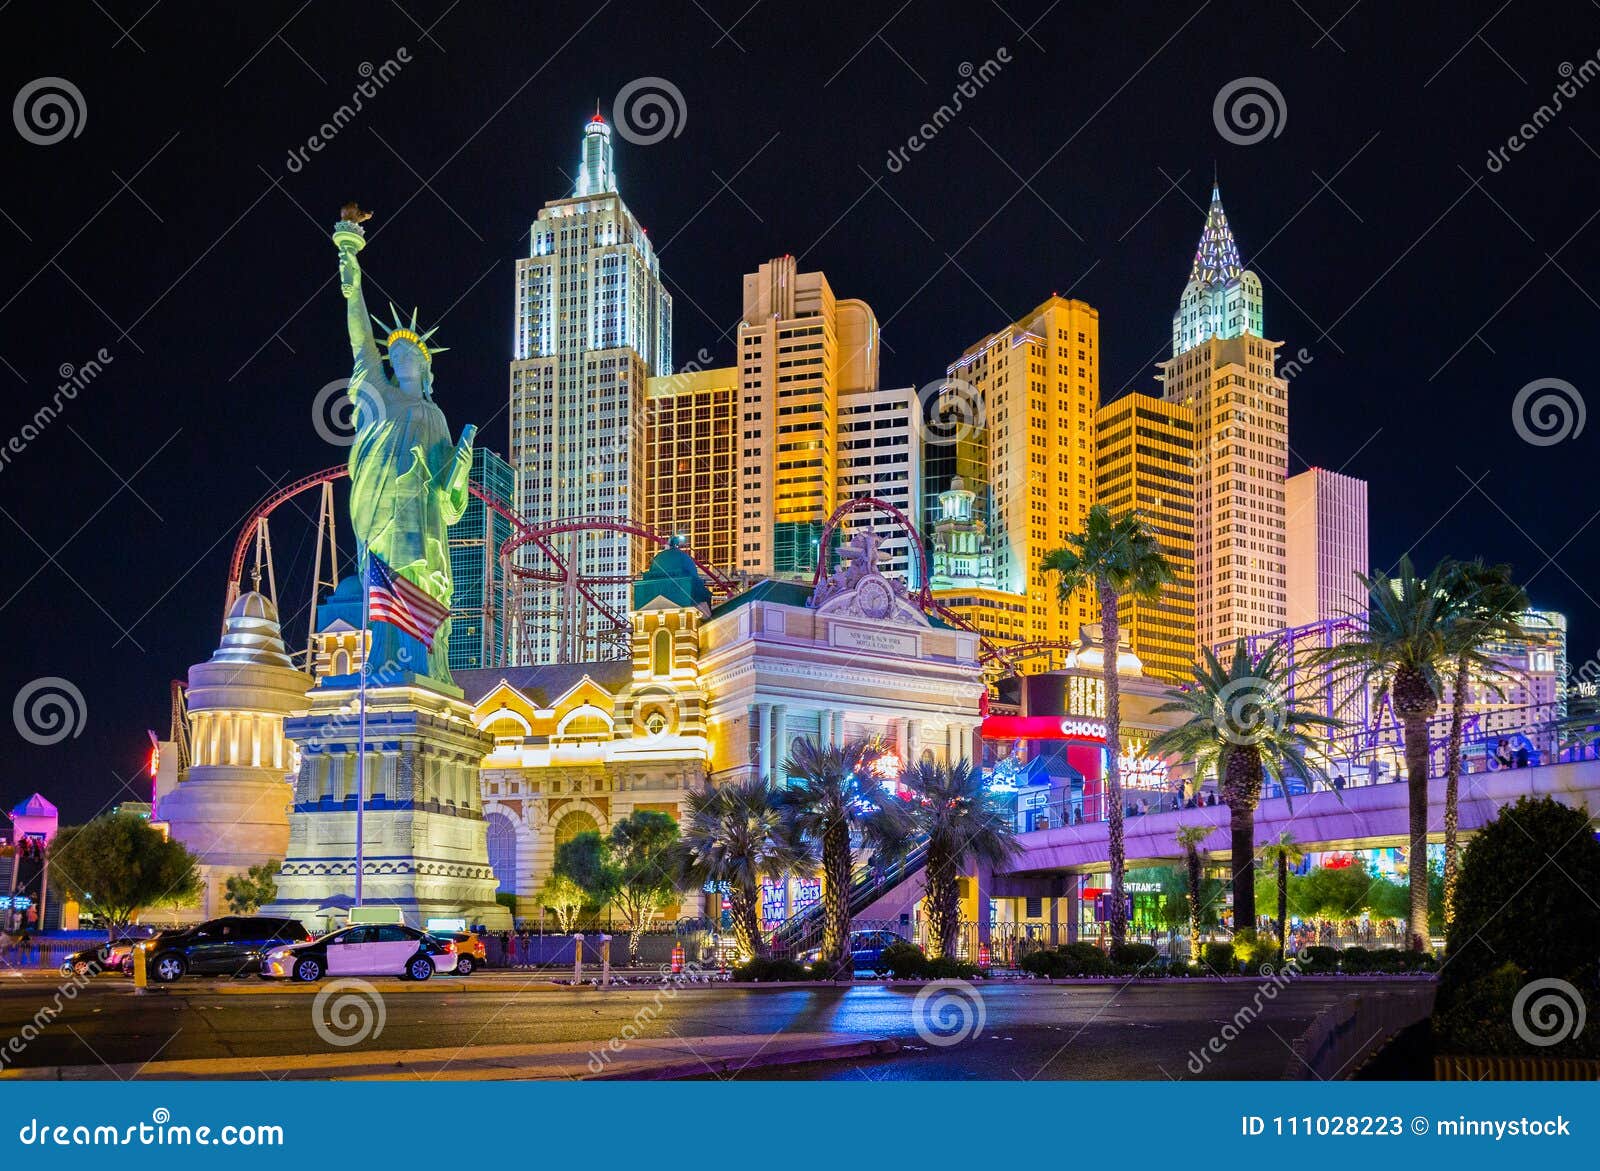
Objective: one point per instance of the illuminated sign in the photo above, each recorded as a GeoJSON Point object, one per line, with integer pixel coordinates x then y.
{"type": "Point", "coordinates": [1042, 728]}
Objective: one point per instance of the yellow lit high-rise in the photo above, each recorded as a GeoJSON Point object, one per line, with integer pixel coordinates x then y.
{"type": "Point", "coordinates": [800, 350]}
{"type": "Point", "coordinates": [691, 458]}
{"type": "Point", "coordinates": [1145, 453]}
{"type": "Point", "coordinates": [1038, 383]}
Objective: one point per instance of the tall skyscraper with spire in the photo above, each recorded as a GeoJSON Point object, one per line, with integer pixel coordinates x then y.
{"type": "Point", "coordinates": [593, 325]}
{"type": "Point", "coordinates": [1226, 372]}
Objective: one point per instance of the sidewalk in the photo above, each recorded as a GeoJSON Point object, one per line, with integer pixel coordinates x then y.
{"type": "Point", "coordinates": [646, 1060]}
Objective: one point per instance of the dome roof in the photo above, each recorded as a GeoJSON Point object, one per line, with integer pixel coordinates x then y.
{"type": "Point", "coordinates": [672, 575]}
{"type": "Point", "coordinates": [251, 634]}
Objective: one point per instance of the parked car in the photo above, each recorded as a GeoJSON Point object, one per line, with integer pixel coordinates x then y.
{"type": "Point", "coordinates": [471, 953]}
{"type": "Point", "coordinates": [115, 958]}
{"type": "Point", "coordinates": [365, 949]}
{"type": "Point", "coordinates": [230, 946]}
{"type": "Point", "coordinates": [865, 947]}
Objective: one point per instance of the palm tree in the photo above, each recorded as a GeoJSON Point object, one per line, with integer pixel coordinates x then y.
{"type": "Point", "coordinates": [1280, 855]}
{"type": "Point", "coordinates": [964, 826]}
{"type": "Point", "coordinates": [1487, 607]}
{"type": "Point", "coordinates": [832, 796]}
{"type": "Point", "coordinates": [1116, 558]}
{"type": "Point", "coordinates": [1242, 726]}
{"type": "Point", "coordinates": [1189, 838]}
{"type": "Point", "coordinates": [734, 836]}
{"type": "Point", "coordinates": [1403, 645]}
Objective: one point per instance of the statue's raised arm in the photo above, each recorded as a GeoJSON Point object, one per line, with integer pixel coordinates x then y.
{"type": "Point", "coordinates": [350, 238]}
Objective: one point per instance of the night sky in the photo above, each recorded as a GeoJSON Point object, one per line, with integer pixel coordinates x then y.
{"type": "Point", "coordinates": [1426, 286]}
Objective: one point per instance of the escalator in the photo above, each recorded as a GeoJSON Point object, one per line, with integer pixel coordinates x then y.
{"type": "Point", "coordinates": [868, 883]}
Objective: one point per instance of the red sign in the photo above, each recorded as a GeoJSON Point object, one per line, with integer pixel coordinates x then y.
{"type": "Point", "coordinates": [1043, 728]}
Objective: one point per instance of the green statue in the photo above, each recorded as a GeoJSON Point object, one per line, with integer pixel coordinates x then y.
{"type": "Point", "coordinates": [408, 482]}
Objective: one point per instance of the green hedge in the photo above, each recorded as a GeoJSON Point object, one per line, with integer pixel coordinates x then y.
{"type": "Point", "coordinates": [907, 961]}
{"type": "Point", "coordinates": [770, 971]}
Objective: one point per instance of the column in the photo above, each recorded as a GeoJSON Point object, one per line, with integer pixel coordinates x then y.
{"type": "Point", "coordinates": [985, 883]}
{"type": "Point", "coordinates": [913, 741]}
{"type": "Point", "coordinates": [776, 752]}
{"type": "Point", "coordinates": [838, 727]}
{"type": "Point", "coordinates": [1055, 918]}
{"type": "Point", "coordinates": [763, 738]}
{"type": "Point", "coordinates": [1074, 883]}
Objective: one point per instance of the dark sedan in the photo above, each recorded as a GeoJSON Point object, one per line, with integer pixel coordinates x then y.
{"type": "Point", "coordinates": [230, 946]}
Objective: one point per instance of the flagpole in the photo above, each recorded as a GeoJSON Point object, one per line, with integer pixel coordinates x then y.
{"type": "Point", "coordinates": [361, 739]}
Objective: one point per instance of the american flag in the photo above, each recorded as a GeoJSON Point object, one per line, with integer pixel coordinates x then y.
{"type": "Point", "coordinates": [393, 599]}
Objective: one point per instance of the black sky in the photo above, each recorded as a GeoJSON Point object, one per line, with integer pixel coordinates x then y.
{"type": "Point", "coordinates": [1426, 289]}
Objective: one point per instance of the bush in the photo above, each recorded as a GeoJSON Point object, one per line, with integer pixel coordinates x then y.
{"type": "Point", "coordinates": [1041, 963]}
{"type": "Point", "coordinates": [1316, 959]}
{"type": "Point", "coordinates": [1515, 912]}
{"type": "Point", "coordinates": [1356, 960]}
{"type": "Point", "coordinates": [1219, 958]}
{"type": "Point", "coordinates": [771, 971]}
{"type": "Point", "coordinates": [1179, 968]}
{"type": "Point", "coordinates": [1255, 949]}
{"type": "Point", "coordinates": [903, 960]}
{"type": "Point", "coordinates": [1477, 1018]}
{"type": "Point", "coordinates": [950, 968]}
{"type": "Point", "coordinates": [1132, 957]}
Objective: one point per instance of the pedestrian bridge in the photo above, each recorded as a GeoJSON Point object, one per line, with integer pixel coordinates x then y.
{"type": "Point", "coordinates": [1366, 817]}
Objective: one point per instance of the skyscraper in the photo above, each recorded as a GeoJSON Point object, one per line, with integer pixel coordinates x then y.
{"type": "Point", "coordinates": [879, 455]}
{"type": "Point", "coordinates": [800, 349]}
{"type": "Point", "coordinates": [691, 425]}
{"type": "Point", "coordinates": [1037, 383]}
{"type": "Point", "coordinates": [1144, 463]}
{"type": "Point", "coordinates": [476, 616]}
{"type": "Point", "coordinates": [593, 324]}
{"type": "Point", "coordinates": [1326, 532]}
{"type": "Point", "coordinates": [1225, 371]}
{"type": "Point", "coordinates": [962, 568]}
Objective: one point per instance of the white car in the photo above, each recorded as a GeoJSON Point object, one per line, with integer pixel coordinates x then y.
{"type": "Point", "coordinates": [365, 949]}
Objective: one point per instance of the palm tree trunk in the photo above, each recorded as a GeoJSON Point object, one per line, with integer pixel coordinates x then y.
{"type": "Point", "coordinates": [1111, 638]}
{"type": "Point", "coordinates": [1194, 904]}
{"type": "Point", "coordinates": [1414, 728]}
{"type": "Point", "coordinates": [1283, 906]}
{"type": "Point", "coordinates": [1243, 785]}
{"type": "Point", "coordinates": [943, 904]}
{"type": "Point", "coordinates": [836, 899]}
{"type": "Point", "coordinates": [746, 921]}
{"type": "Point", "coordinates": [1452, 789]}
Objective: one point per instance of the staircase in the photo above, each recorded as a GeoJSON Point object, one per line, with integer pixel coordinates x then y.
{"type": "Point", "coordinates": [867, 885]}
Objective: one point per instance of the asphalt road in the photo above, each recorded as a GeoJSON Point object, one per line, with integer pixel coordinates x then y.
{"type": "Point", "coordinates": [1029, 1030]}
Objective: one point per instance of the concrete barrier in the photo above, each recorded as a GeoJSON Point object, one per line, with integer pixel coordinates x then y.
{"type": "Point", "coordinates": [1345, 1035]}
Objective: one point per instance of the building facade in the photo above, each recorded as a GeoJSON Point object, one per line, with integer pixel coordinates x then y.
{"type": "Point", "coordinates": [962, 566]}
{"type": "Point", "coordinates": [1035, 385]}
{"type": "Point", "coordinates": [691, 422]}
{"type": "Point", "coordinates": [1144, 464]}
{"type": "Point", "coordinates": [800, 350]}
{"type": "Point", "coordinates": [713, 694]}
{"type": "Point", "coordinates": [879, 454]}
{"type": "Point", "coordinates": [1326, 539]}
{"type": "Point", "coordinates": [1224, 370]}
{"type": "Point", "coordinates": [477, 620]}
{"type": "Point", "coordinates": [593, 325]}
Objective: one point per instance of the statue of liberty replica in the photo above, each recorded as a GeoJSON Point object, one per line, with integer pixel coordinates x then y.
{"type": "Point", "coordinates": [387, 822]}
{"type": "Point", "coordinates": [408, 484]}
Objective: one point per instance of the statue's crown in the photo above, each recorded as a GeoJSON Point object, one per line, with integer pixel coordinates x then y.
{"type": "Point", "coordinates": [399, 332]}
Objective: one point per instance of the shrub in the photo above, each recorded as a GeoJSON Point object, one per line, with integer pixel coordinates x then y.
{"type": "Point", "coordinates": [1355, 960]}
{"type": "Point", "coordinates": [950, 968]}
{"type": "Point", "coordinates": [1132, 957]}
{"type": "Point", "coordinates": [1041, 963]}
{"type": "Point", "coordinates": [1517, 920]}
{"type": "Point", "coordinates": [1219, 958]}
{"type": "Point", "coordinates": [1319, 959]}
{"type": "Point", "coordinates": [1082, 959]}
{"type": "Point", "coordinates": [771, 971]}
{"type": "Point", "coordinates": [903, 960]}
{"type": "Point", "coordinates": [1255, 949]}
{"type": "Point", "coordinates": [1179, 968]}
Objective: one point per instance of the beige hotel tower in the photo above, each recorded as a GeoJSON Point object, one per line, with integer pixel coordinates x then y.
{"type": "Point", "coordinates": [1224, 370]}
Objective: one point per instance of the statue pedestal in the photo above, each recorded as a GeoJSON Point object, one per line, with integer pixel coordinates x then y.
{"type": "Point", "coordinates": [426, 841]}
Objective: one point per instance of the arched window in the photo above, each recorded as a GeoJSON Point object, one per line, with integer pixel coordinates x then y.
{"type": "Point", "coordinates": [341, 663]}
{"type": "Point", "coordinates": [661, 654]}
{"type": "Point", "coordinates": [503, 851]}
